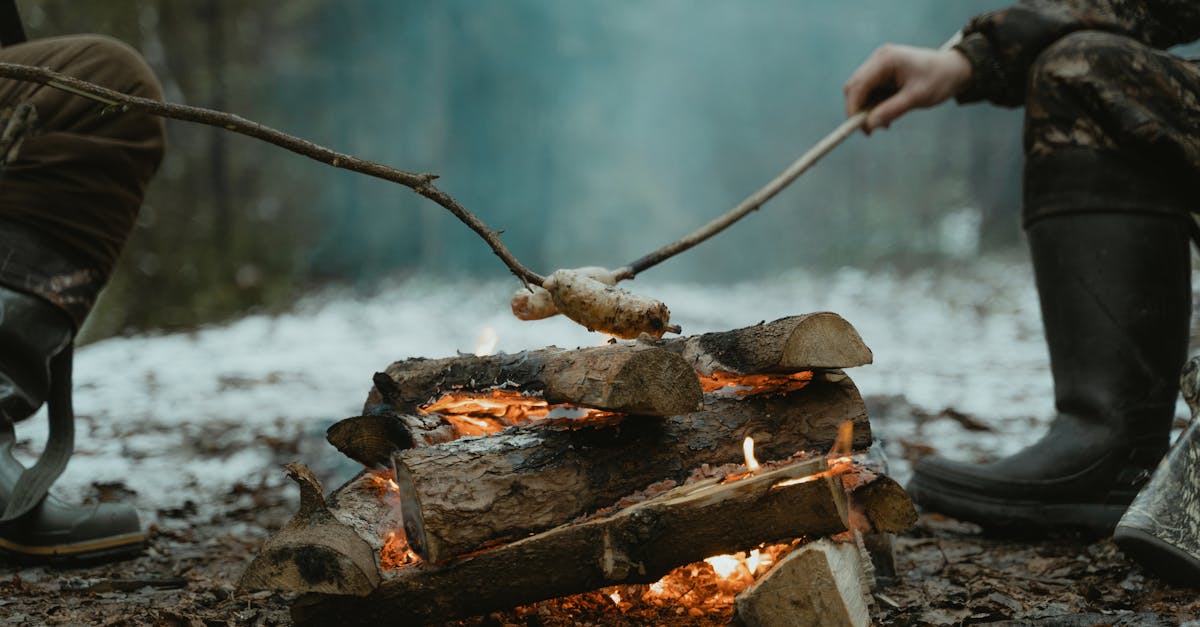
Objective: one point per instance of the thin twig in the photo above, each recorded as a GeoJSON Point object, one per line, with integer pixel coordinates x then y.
{"type": "Point", "coordinates": [752, 202]}
{"type": "Point", "coordinates": [420, 183]}
{"type": "Point", "coordinates": [758, 198]}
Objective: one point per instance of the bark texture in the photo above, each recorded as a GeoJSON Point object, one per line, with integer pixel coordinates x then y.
{"type": "Point", "coordinates": [626, 378]}
{"type": "Point", "coordinates": [806, 342]}
{"type": "Point", "coordinates": [463, 495]}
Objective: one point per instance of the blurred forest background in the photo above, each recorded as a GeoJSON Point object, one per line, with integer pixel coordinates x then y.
{"type": "Point", "coordinates": [590, 131]}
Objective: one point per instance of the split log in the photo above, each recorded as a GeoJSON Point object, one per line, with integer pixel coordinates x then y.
{"type": "Point", "coordinates": [805, 342]}
{"type": "Point", "coordinates": [822, 583]}
{"type": "Point", "coordinates": [626, 378]}
{"type": "Point", "coordinates": [460, 496]}
{"type": "Point", "coordinates": [330, 546]}
{"type": "Point", "coordinates": [638, 544]}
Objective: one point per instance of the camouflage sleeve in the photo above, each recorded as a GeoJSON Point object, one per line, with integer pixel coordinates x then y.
{"type": "Point", "coordinates": [1003, 44]}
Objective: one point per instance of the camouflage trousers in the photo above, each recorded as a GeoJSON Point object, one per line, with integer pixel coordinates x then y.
{"type": "Point", "coordinates": [1111, 125]}
{"type": "Point", "coordinates": [70, 199]}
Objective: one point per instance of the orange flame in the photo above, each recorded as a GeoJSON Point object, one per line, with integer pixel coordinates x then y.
{"type": "Point", "coordinates": [725, 383]}
{"type": "Point", "coordinates": [844, 442]}
{"type": "Point", "coordinates": [396, 553]}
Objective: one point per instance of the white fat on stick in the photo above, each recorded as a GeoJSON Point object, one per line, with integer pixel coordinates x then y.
{"type": "Point", "coordinates": [535, 303]}
{"type": "Point", "coordinates": [606, 308]}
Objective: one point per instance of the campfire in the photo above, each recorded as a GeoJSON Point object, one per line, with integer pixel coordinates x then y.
{"type": "Point", "coordinates": [692, 477]}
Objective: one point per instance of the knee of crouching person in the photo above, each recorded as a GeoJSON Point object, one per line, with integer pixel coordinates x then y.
{"type": "Point", "coordinates": [116, 65]}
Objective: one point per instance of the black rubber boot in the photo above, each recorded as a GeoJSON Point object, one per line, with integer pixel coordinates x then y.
{"type": "Point", "coordinates": [1116, 302]}
{"type": "Point", "coordinates": [31, 333]}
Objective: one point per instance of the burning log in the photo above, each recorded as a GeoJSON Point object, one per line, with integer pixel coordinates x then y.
{"type": "Point", "coordinates": [821, 583]}
{"type": "Point", "coordinates": [805, 342]}
{"type": "Point", "coordinates": [638, 544]}
{"type": "Point", "coordinates": [460, 496]}
{"type": "Point", "coordinates": [627, 378]}
{"type": "Point", "coordinates": [328, 546]}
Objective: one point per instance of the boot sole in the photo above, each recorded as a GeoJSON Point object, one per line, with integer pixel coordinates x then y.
{"type": "Point", "coordinates": [100, 550]}
{"type": "Point", "coordinates": [1019, 517]}
{"type": "Point", "coordinates": [1159, 558]}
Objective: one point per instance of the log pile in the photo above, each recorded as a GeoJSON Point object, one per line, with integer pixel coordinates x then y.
{"type": "Point", "coordinates": [511, 517]}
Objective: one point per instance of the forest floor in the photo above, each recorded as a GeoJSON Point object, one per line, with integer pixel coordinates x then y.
{"type": "Point", "coordinates": [194, 428]}
{"type": "Point", "coordinates": [949, 574]}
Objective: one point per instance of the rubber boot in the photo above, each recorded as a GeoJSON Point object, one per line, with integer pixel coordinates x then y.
{"type": "Point", "coordinates": [1161, 528]}
{"type": "Point", "coordinates": [1116, 302]}
{"type": "Point", "coordinates": [31, 333]}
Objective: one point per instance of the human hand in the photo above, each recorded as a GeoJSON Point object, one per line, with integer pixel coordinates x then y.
{"type": "Point", "coordinates": [903, 78]}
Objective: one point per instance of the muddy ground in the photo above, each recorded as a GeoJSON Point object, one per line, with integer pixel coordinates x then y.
{"type": "Point", "coordinates": [950, 574]}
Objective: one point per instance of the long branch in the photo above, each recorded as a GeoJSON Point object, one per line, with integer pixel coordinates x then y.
{"type": "Point", "coordinates": [751, 203]}
{"type": "Point", "coordinates": [763, 194]}
{"type": "Point", "coordinates": [420, 183]}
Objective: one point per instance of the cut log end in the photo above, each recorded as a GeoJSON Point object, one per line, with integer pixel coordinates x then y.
{"type": "Point", "coordinates": [821, 340]}
{"type": "Point", "coordinates": [824, 340]}
{"type": "Point", "coordinates": [822, 583]}
{"type": "Point", "coordinates": [887, 505]}
{"type": "Point", "coordinates": [314, 552]}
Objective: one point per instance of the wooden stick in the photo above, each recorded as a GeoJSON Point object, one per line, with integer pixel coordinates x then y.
{"type": "Point", "coordinates": [760, 197]}
{"type": "Point", "coordinates": [422, 184]}
{"type": "Point", "coordinates": [751, 203]}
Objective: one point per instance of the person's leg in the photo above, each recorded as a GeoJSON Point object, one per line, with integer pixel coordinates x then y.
{"type": "Point", "coordinates": [67, 205]}
{"type": "Point", "coordinates": [78, 182]}
{"type": "Point", "coordinates": [1113, 154]}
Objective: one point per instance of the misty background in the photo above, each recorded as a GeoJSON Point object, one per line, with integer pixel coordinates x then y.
{"type": "Point", "coordinates": [591, 132]}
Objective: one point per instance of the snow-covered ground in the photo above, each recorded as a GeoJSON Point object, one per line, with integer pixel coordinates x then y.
{"type": "Point", "coordinates": [188, 416]}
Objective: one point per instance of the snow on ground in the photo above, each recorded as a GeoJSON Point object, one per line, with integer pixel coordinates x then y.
{"type": "Point", "coordinates": [186, 417]}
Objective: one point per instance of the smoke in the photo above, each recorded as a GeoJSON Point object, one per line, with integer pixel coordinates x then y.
{"type": "Point", "coordinates": [594, 131]}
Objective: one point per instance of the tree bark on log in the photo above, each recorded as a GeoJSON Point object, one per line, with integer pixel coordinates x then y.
{"type": "Point", "coordinates": [639, 544]}
{"type": "Point", "coordinates": [330, 546]}
{"type": "Point", "coordinates": [806, 342]}
{"type": "Point", "coordinates": [460, 496]}
{"type": "Point", "coordinates": [626, 378]}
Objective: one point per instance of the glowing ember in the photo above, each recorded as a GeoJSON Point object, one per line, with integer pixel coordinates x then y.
{"type": "Point", "coordinates": [748, 451]}
{"type": "Point", "coordinates": [481, 413]}
{"type": "Point", "coordinates": [737, 385]}
{"type": "Point", "coordinates": [711, 585]}
{"type": "Point", "coordinates": [723, 565]}
{"type": "Point", "coordinates": [396, 553]}
{"type": "Point", "coordinates": [616, 598]}
{"type": "Point", "coordinates": [486, 343]}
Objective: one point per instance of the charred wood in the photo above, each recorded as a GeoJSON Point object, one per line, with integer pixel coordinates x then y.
{"type": "Point", "coordinates": [639, 544]}
{"type": "Point", "coordinates": [461, 496]}
{"type": "Point", "coordinates": [626, 378]}
{"type": "Point", "coordinates": [330, 546]}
